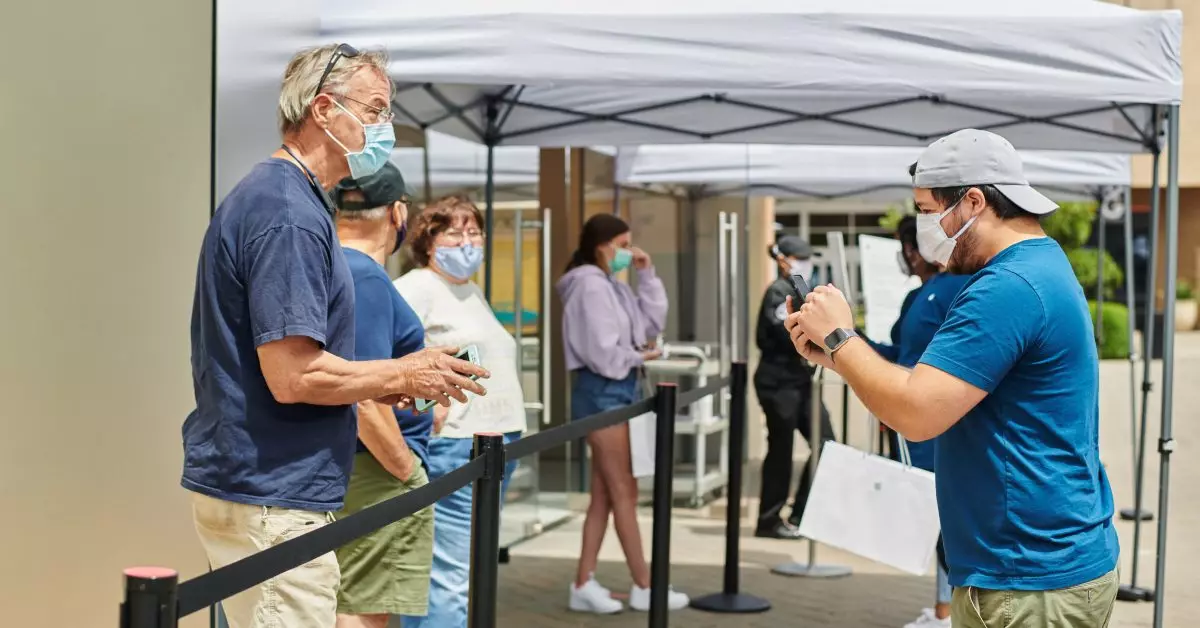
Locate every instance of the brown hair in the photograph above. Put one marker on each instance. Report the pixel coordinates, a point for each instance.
(437, 219)
(599, 229)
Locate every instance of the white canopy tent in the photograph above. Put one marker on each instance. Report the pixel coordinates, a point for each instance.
(1051, 74)
(829, 172)
(1046, 74)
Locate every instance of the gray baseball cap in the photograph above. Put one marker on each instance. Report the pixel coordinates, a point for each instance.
(974, 157)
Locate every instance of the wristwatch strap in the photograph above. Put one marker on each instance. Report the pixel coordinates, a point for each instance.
(837, 338)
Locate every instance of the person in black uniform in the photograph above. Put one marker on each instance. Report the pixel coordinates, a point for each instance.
(784, 387)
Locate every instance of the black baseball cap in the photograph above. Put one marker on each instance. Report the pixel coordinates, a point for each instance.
(793, 246)
(382, 188)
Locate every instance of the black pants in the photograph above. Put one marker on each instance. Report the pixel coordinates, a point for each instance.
(788, 409)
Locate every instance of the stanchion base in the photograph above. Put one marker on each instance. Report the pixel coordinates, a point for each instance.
(731, 603)
(1129, 593)
(1129, 514)
(805, 570)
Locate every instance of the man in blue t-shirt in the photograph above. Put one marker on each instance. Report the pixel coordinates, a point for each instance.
(268, 449)
(1009, 384)
(386, 572)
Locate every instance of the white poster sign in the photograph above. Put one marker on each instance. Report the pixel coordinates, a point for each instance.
(884, 284)
(838, 265)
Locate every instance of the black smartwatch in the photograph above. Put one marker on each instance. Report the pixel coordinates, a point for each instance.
(837, 338)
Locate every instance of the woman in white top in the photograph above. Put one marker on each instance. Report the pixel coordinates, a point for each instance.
(447, 245)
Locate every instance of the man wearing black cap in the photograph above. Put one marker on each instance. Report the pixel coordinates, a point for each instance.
(784, 387)
(386, 572)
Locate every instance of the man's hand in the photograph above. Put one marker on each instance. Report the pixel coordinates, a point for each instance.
(803, 344)
(435, 374)
(651, 354)
(439, 418)
(641, 260)
(823, 311)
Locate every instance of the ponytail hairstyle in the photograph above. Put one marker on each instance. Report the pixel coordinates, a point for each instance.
(598, 230)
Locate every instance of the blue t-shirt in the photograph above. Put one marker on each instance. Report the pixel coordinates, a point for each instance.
(1024, 502)
(928, 305)
(386, 327)
(270, 267)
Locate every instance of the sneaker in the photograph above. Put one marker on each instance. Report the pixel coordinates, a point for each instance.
(928, 619)
(593, 598)
(781, 530)
(639, 599)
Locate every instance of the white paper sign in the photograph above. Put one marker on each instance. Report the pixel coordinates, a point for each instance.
(838, 266)
(884, 284)
(642, 429)
(874, 507)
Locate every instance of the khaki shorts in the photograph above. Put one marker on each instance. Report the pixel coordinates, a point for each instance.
(1088, 605)
(387, 571)
(305, 597)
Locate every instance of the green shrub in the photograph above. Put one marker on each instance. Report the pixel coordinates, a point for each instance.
(1114, 330)
(1183, 290)
(1071, 225)
(1083, 263)
(891, 219)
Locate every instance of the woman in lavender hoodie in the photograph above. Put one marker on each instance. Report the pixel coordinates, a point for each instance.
(608, 332)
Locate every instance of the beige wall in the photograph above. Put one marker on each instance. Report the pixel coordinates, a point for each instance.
(1189, 166)
(106, 180)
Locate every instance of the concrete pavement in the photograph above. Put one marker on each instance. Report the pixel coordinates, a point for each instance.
(533, 587)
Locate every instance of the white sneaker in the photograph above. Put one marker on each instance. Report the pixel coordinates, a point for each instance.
(928, 619)
(639, 599)
(593, 598)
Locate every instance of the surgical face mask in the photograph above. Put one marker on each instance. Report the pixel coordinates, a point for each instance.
(804, 268)
(378, 141)
(460, 262)
(620, 260)
(932, 242)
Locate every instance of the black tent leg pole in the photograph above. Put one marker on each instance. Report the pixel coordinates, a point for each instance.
(1132, 592)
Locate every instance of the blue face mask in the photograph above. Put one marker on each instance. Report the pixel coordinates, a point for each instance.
(460, 262)
(379, 139)
(620, 260)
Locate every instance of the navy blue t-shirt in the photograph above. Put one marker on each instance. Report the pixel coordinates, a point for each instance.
(1024, 501)
(270, 267)
(386, 327)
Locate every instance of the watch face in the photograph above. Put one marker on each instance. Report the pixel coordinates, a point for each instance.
(836, 338)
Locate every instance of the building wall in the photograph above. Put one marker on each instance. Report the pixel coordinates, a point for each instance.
(106, 179)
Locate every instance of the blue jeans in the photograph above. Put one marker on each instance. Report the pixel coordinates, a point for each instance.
(452, 536)
(945, 592)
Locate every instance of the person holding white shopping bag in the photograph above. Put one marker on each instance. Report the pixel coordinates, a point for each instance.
(607, 329)
(1010, 386)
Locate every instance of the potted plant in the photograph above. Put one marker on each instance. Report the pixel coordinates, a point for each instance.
(1185, 306)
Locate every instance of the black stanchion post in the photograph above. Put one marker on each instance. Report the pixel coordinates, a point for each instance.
(664, 469)
(485, 532)
(730, 600)
(151, 598)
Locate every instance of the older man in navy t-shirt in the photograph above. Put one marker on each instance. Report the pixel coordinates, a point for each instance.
(268, 450)
(1010, 383)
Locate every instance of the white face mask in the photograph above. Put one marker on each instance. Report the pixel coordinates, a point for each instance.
(932, 242)
(803, 268)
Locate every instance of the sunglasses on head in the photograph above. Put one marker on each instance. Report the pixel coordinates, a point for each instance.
(343, 50)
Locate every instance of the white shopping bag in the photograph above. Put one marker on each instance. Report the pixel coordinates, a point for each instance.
(641, 444)
(874, 507)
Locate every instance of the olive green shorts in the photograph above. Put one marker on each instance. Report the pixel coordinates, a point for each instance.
(386, 571)
(1088, 605)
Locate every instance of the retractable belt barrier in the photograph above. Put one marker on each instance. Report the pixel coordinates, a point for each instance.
(154, 598)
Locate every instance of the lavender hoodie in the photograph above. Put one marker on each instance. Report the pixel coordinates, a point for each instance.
(604, 322)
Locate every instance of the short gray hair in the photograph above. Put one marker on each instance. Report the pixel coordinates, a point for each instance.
(304, 72)
(372, 214)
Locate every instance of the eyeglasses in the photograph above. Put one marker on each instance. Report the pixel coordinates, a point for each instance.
(380, 114)
(455, 237)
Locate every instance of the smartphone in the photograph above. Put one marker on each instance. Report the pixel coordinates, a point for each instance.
(801, 287)
(802, 291)
(469, 353)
